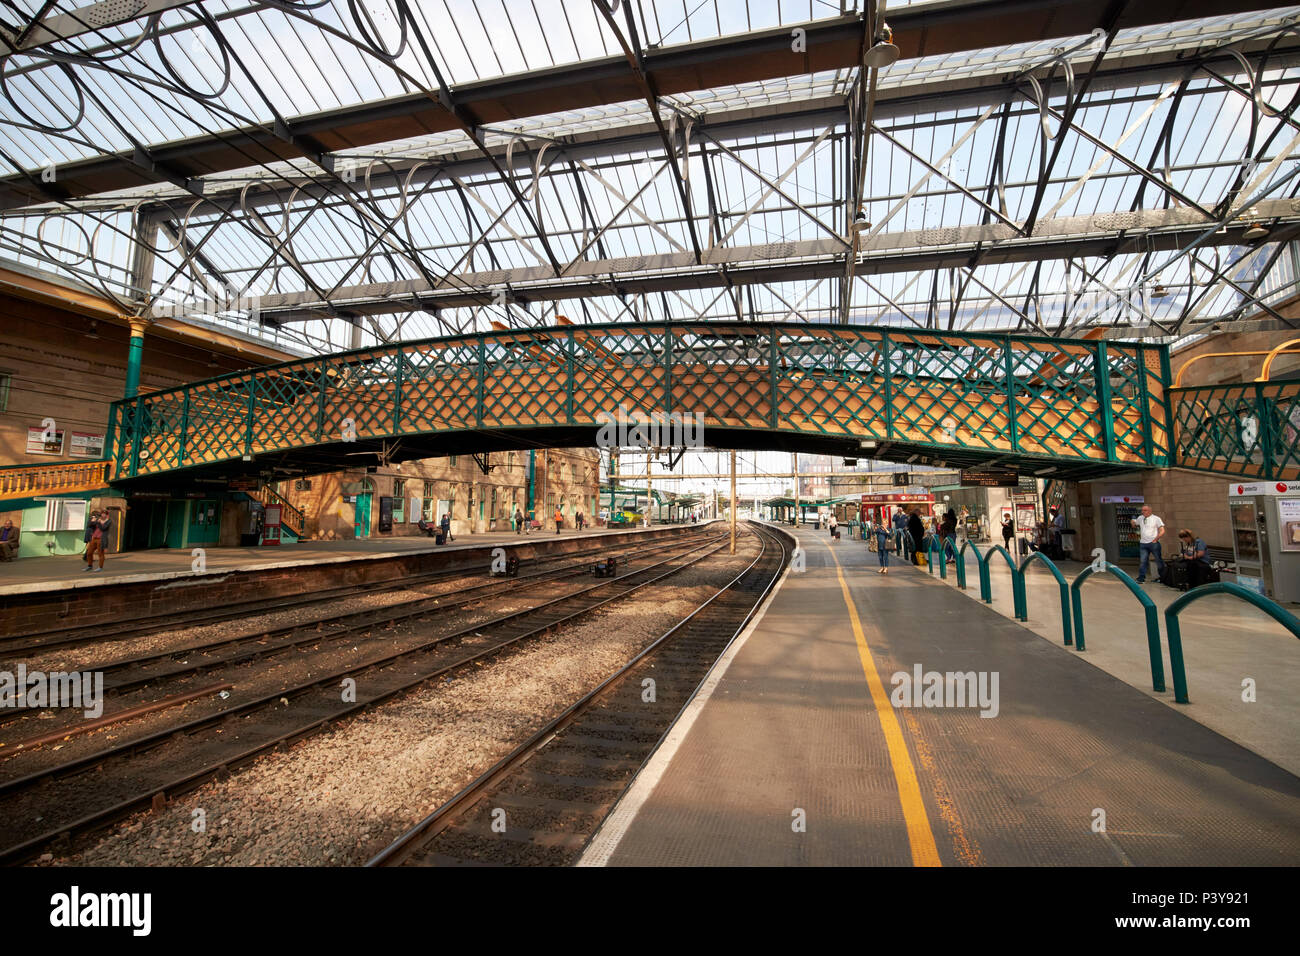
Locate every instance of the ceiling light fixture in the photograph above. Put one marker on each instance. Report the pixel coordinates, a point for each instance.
(1254, 231)
(94, 330)
(883, 53)
(1045, 471)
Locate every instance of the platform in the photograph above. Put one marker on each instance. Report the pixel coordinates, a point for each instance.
(796, 725)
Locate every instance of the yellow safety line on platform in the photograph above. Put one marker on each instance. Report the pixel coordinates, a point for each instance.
(919, 833)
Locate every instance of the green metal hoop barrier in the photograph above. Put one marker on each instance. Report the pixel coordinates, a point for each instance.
(1020, 612)
(1060, 579)
(1148, 608)
(981, 567)
(1172, 629)
(943, 558)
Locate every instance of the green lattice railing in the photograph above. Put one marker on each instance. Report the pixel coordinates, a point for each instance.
(984, 397)
(1248, 431)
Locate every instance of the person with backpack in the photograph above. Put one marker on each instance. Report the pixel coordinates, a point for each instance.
(520, 524)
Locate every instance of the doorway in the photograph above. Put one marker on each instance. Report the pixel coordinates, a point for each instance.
(361, 522)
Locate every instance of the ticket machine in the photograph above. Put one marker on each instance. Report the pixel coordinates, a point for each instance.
(1265, 520)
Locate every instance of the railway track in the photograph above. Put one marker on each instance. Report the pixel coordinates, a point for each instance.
(128, 674)
(541, 804)
(95, 790)
(13, 646)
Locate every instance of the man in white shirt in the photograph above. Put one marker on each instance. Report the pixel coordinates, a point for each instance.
(1150, 529)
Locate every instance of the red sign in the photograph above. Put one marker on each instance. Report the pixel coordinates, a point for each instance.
(271, 527)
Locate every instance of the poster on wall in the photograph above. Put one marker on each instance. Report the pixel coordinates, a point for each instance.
(86, 445)
(1288, 520)
(42, 441)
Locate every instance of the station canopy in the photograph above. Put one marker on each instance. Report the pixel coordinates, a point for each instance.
(324, 174)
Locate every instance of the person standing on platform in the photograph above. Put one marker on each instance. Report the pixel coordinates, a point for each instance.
(8, 541)
(916, 531)
(87, 537)
(1008, 532)
(882, 547)
(446, 527)
(519, 520)
(832, 525)
(559, 520)
(900, 529)
(578, 520)
(98, 538)
(948, 534)
(1150, 530)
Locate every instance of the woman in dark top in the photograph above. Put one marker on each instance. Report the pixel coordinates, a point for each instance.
(1193, 550)
(916, 529)
(948, 533)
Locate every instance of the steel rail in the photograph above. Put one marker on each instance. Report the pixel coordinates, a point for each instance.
(157, 794)
(428, 828)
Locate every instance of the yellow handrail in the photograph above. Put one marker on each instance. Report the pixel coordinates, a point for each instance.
(1268, 362)
(1178, 379)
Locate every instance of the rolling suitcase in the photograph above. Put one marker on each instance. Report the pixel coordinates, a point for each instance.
(1180, 575)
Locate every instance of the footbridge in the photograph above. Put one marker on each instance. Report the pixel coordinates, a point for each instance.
(1074, 408)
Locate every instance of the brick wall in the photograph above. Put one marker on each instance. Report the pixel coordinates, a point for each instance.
(57, 370)
(1186, 499)
(460, 480)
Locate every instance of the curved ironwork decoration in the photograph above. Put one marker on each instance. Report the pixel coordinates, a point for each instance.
(1060, 580)
(1148, 609)
(1174, 631)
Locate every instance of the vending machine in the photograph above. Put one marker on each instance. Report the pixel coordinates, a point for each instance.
(1265, 521)
(1118, 536)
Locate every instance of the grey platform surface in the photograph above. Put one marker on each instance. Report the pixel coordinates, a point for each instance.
(791, 726)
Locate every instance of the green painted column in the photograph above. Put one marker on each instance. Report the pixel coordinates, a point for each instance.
(134, 357)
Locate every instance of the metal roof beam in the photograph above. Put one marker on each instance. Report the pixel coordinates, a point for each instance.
(944, 28)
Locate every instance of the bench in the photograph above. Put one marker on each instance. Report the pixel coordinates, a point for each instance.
(1221, 559)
